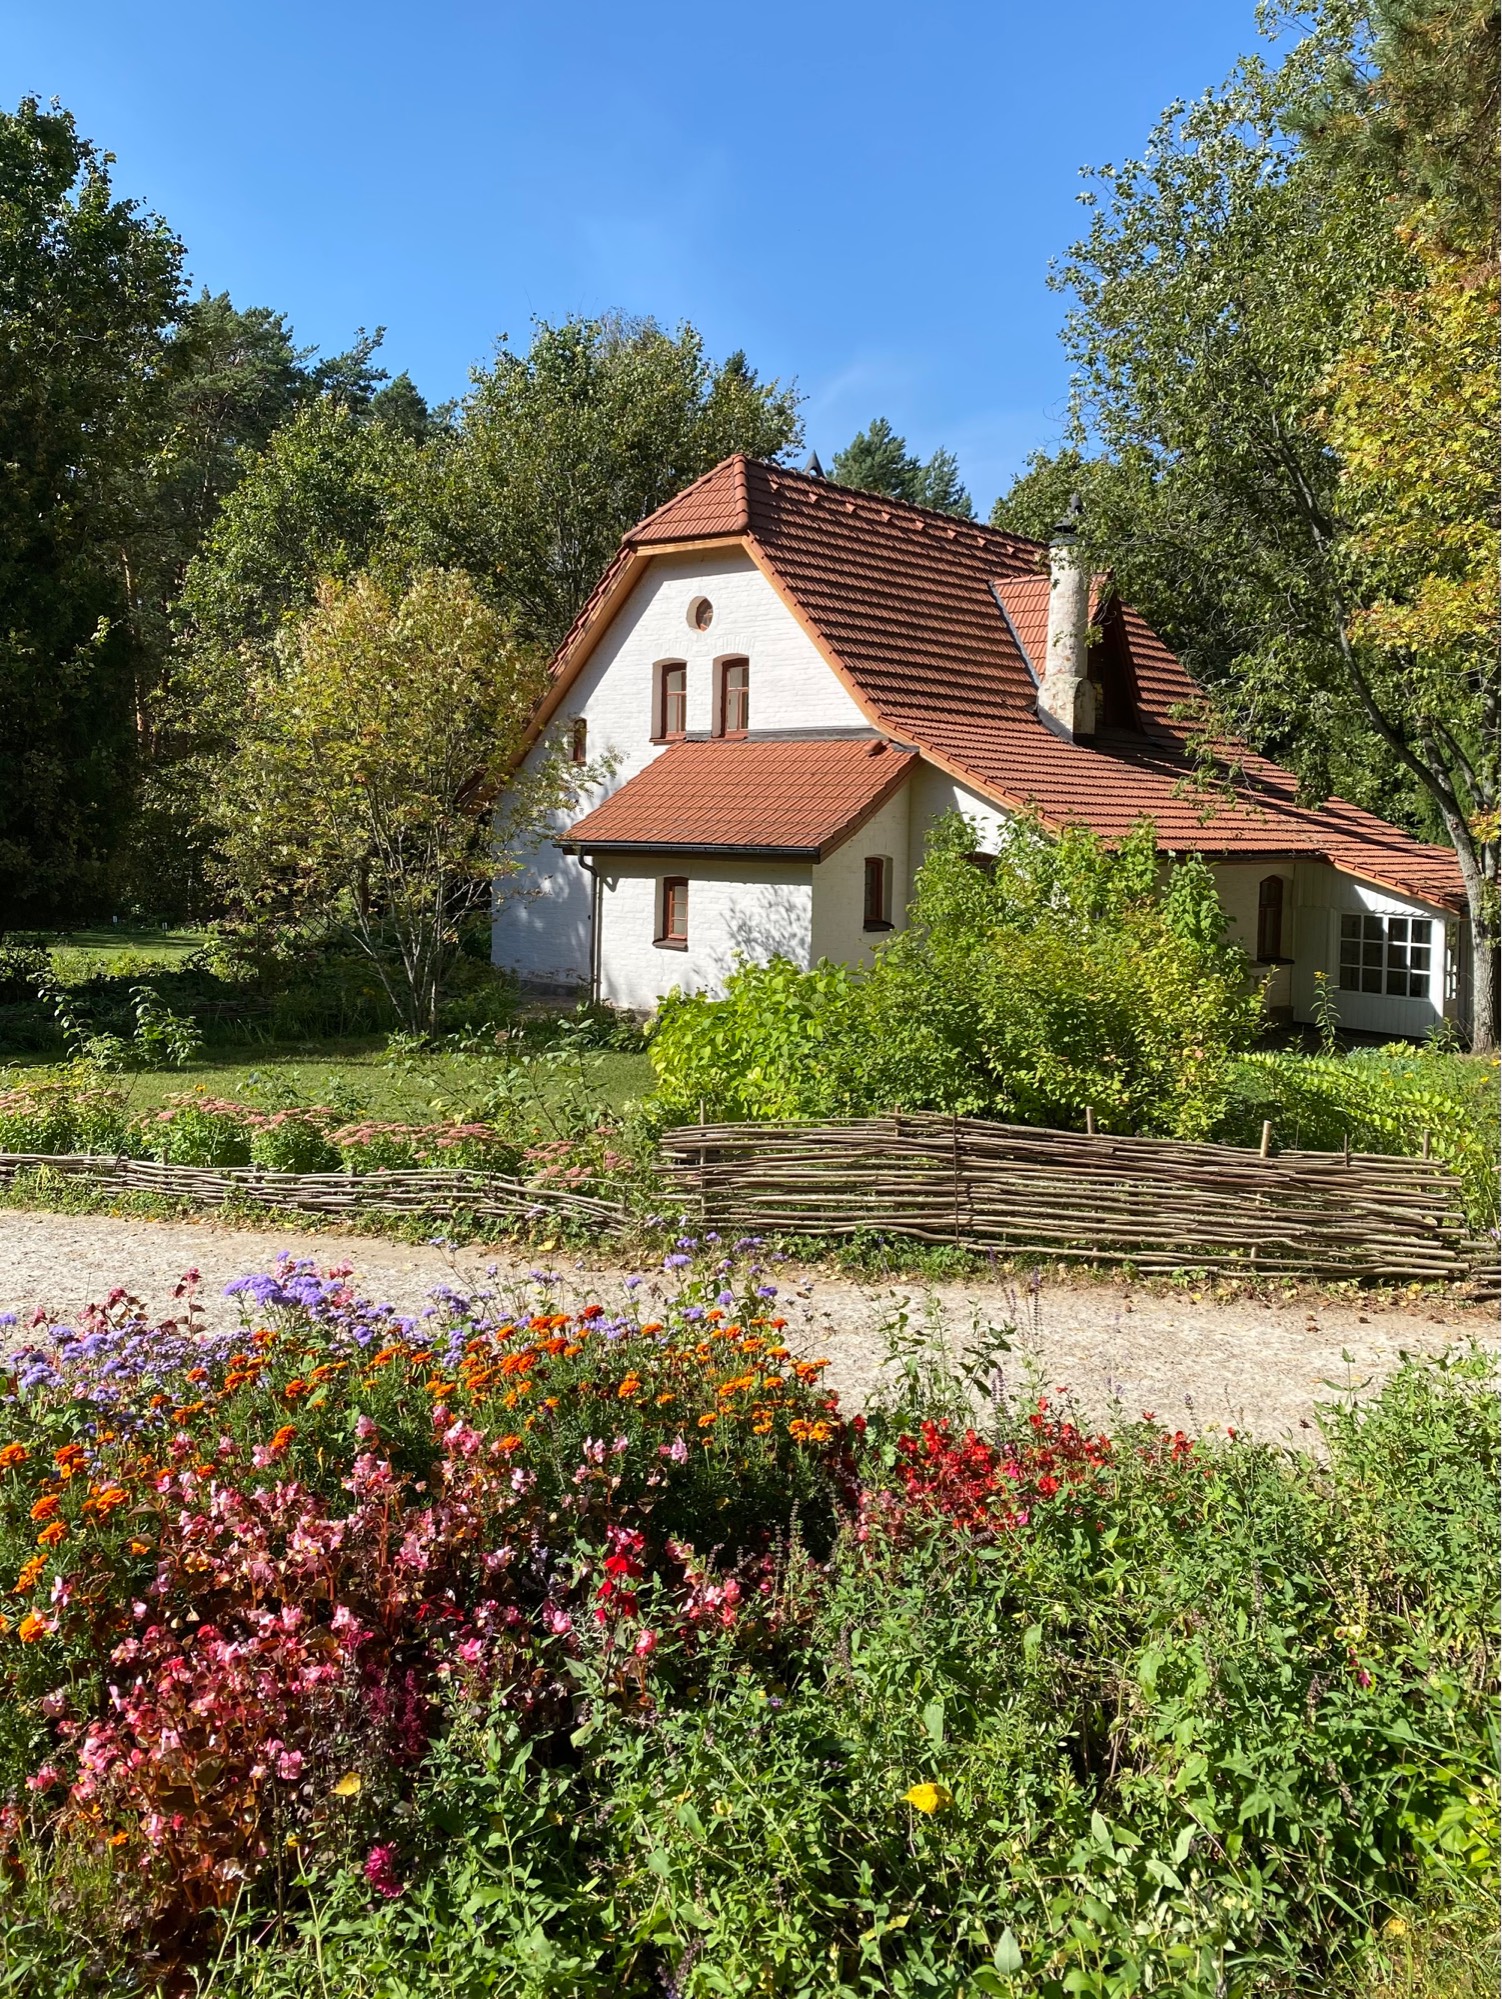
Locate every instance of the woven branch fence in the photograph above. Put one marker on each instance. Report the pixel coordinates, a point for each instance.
(1021, 1191)
(422, 1190)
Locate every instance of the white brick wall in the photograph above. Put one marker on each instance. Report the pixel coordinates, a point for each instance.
(736, 908)
(839, 884)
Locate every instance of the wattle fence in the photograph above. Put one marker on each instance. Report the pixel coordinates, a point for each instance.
(1021, 1191)
(419, 1190)
(1016, 1190)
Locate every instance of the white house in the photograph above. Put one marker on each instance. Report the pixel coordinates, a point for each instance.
(794, 680)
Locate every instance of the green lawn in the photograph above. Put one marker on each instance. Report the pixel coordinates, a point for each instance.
(78, 953)
(410, 1091)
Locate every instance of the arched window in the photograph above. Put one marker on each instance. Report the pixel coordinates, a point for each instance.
(672, 699)
(878, 892)
(735, 696)
(1270, 919)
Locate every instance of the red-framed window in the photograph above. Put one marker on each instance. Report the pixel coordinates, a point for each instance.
(878, 896)
(672, 912)
(735, 696)
(672, 699)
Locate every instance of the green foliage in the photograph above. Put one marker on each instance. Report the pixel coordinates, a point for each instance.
(89, 284)
(1066, 978)
(877, 460)
(1381, 1100)
(562, 449)
(382, 755)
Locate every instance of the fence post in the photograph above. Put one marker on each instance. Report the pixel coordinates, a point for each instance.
(1089, 1120)
(1267, 1138)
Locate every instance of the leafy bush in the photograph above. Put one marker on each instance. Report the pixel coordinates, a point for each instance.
(1069, 977)
(75, 1110)
(514, 1649)
(1381, 1100)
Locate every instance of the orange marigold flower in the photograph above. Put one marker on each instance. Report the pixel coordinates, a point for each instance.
(52, 1533)
(46, 1507)
(779, 1324)
(707, 1420)
(438, 1387)
(29, 1572)
(652, 1326)
(137, 1546)
(550, 1402)
(12, 1454)
(380, 1359)
(510, 1441)
(198, 1374)
(102, 1502)
(283, 1436)
(629, 1386)
(32, 1627)
(293, 1390)
(665, 1398)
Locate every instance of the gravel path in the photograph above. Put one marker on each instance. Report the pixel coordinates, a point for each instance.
(1196, 1362)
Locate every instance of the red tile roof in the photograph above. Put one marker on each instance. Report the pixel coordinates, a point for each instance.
(907, 604)
(793, 796)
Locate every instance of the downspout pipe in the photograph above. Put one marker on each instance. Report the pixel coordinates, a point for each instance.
(594, 925)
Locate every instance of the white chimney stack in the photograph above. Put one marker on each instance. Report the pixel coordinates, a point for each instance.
(1066, 700)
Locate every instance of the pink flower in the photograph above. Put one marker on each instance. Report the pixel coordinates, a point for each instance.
(289, 1765)
(380, 1872)
(44, 1779)
(364, 1427)
(646, 1644)
(558, 1621)
(472, 1651)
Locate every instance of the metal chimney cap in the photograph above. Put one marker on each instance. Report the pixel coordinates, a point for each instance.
(813, 468)
(1069, 527)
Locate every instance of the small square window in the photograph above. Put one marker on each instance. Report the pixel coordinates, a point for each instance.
(672, 913)
(1385, 954)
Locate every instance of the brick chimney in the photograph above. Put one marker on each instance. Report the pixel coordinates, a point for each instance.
(1066, 700)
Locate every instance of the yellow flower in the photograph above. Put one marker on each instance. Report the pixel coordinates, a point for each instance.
(348, 1786)
(1395, 1927)
(929, 1798)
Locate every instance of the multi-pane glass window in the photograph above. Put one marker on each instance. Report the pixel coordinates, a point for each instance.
(672, 705)
(735, 697)
(1386, 954)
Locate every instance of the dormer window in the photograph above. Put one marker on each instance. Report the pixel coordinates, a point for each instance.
(672, 700)
(735, 697)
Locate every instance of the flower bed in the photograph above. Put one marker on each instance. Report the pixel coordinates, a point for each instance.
(595, 1649)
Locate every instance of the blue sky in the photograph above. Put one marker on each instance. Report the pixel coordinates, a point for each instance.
(863, 196)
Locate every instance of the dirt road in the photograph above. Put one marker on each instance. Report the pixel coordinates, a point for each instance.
(1195, 1362)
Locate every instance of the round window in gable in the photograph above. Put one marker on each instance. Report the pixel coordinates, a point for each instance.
(701, 614)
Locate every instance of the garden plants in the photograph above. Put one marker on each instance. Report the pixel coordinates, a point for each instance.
(541, 1644)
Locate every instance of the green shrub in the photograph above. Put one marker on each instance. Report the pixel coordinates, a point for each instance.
(294, 1140)
(1381, 1100)
(194, 1129)
(1068, 978)
(71, 1110)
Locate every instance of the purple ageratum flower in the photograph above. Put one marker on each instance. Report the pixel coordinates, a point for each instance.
(766, 1290)
(676, 1262)
(694, 1312)
(725, 1298)
(687, 1242)
(631, 1285)
(8, 1318)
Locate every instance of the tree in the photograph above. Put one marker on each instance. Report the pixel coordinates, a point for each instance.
(562, 449)
(1224, 279)
(877, 460)
(89, 286)
(377, 766)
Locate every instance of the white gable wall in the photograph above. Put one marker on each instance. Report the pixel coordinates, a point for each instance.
(932, 793)
(541, 931)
